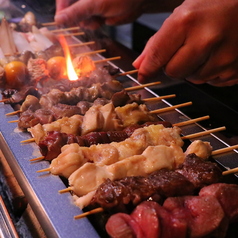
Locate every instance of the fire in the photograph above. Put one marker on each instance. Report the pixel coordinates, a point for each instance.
(72, 75)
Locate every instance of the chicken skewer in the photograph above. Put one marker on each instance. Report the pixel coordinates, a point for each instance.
(117, 198)
(73, 156)
(100, 118)
(50, 146)
(131, 166)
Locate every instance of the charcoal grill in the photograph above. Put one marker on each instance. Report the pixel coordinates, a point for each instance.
(55, 211)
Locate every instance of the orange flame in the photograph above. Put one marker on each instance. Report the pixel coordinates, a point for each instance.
(72, 75)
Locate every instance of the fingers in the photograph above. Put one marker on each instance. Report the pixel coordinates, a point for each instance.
(160, 49)
(78, 11)
(61, 4)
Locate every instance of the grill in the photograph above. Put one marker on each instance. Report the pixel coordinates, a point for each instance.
(55, 211)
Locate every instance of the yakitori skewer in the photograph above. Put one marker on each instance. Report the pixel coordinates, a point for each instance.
(159, 98)
(203, 133)
(28, 140)
(133, 88)
(107, 59)
(48, 24)
(224, 150)
(13, 113)
(82, 44)
(14, 121)
(176, 124)
(191, 136)
(4, 100)
(65, 29)
(85, 214)
(37, 159)
(153, 99)
(166, 109)
(73, 34)
(188, 122)
(91, 52)
(230, 171)
(128, 72)
(98, 210)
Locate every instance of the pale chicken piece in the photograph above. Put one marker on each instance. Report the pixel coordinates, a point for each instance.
(106, 154)
(133, 113)
(100, 118)
(83, 201)
(88, 177)
(155, 152)
(30, 101)
(69, 155)
(107, 117)
(202, 149)
(68, 125)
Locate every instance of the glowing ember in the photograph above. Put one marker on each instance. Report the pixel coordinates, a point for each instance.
(72, 75)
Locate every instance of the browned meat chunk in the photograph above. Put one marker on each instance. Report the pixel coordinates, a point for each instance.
(200, 173)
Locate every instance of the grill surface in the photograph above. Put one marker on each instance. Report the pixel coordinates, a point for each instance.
(55, 211)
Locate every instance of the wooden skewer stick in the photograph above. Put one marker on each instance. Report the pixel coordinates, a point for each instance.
(91, 52)
(4, 100)
(65, 29)
(82, 44)
(72, 34)
(108, 59)
(37, 159)
(48, 24)
(13, 121)
(191, 136)
(230, 171)
(224, 150)
(158, 98)
(171, 108)
(184, 123)
(128, 72)
(13, 113)
(28, 140)
(94, 211)
(66, 190)
(43, 170)
(141, 86)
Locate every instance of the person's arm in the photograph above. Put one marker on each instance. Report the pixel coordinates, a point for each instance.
(199, 42)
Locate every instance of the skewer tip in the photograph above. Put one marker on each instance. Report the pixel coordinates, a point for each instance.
(43, 170)
(94, 211)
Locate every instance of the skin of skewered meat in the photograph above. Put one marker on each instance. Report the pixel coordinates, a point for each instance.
(51, 145)
(129, 191)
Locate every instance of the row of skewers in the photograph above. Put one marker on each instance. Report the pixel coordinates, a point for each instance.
(134, 147)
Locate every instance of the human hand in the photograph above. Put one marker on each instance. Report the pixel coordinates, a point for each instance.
(199, 42)
(91, 13)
